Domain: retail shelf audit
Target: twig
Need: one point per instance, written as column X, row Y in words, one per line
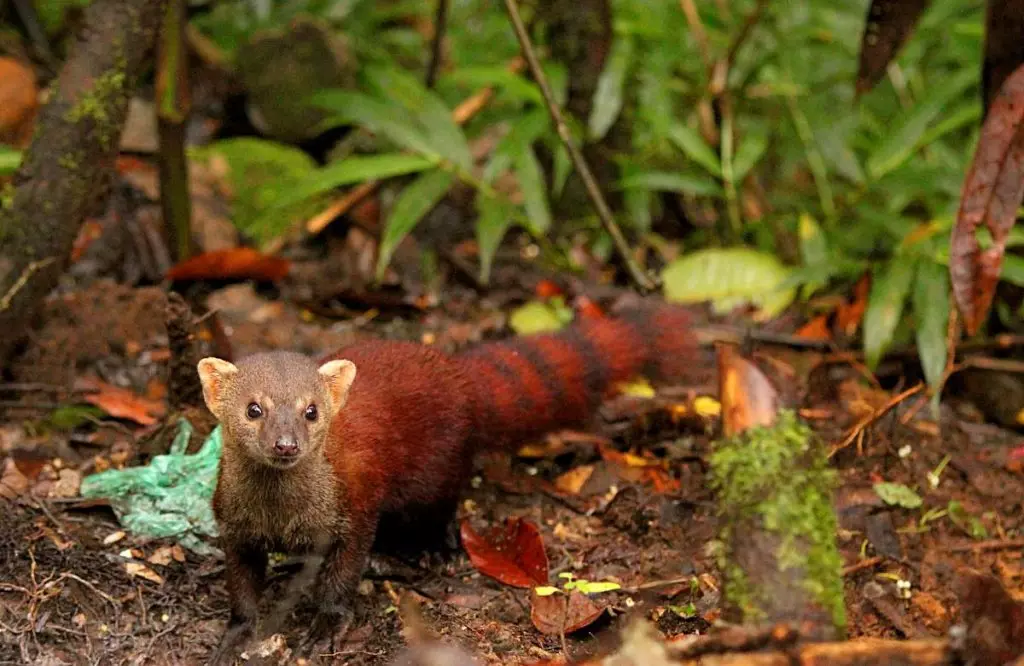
column 644, row 281
column 993, row 544
column 697, row 28
column 866, row 563
column 741, row 36
column 867, row 421
column 987, row 363
column 22, row 280
column 440, row 27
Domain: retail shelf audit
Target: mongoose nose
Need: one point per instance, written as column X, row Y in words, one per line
column 286, row 447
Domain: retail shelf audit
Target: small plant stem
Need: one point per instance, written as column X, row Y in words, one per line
column 436, row 52
column 643, row 281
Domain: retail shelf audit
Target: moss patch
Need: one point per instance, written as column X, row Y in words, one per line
column 778, row 478
column 95, row 105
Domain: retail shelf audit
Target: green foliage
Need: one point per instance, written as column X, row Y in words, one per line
column 540, row 316
column 10, row 159
column 898, row 494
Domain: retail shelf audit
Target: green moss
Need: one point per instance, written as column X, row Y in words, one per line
column 95, row 105
column 780, row 478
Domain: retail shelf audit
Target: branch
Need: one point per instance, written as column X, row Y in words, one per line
column 643, row 281
column 71, row 157
column 440, row 27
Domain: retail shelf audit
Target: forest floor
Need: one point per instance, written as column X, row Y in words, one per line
column 67, row 597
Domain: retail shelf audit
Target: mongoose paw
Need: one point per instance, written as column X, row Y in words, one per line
column 234, row 638
column 326, row 637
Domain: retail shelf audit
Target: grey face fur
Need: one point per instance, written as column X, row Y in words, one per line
column 276, row 407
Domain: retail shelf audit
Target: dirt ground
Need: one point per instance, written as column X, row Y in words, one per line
column 66, row 596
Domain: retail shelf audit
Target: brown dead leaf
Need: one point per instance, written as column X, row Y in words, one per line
column 162, row 556
column 849, row 315
column 140, row 570
column 572, row 481
column 19, row 100
column 119, row 402
column 559, row 613
column 748, row 398
column 992, row 193
column 68, row 483
column 13, row 483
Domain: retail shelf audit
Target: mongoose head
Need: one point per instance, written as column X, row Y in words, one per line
column 275, row 407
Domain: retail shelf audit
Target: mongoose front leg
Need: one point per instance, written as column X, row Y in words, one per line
column 245, row 571
column 340, row 574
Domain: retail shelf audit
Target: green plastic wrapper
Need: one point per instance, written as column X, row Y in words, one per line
column 169, row 497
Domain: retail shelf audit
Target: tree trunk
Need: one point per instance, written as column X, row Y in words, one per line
column 71, row 158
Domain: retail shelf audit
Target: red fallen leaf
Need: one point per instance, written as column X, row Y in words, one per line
column 512, row 554
column 588, row 309
column 558, row 613
column 815, row 329
column 991, row 194
column 889, row 24
column 849, row 315
column 120, row 403
column 547, row 289
column 748, row 398
column 240, row 263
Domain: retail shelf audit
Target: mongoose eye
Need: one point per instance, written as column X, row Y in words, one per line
column 253, row 411
column 311, row 413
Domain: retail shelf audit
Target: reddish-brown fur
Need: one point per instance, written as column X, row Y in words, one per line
column 402, row 447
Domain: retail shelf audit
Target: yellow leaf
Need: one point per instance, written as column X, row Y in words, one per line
column 638, row 388
column 545, row 591
column 587, row 587
column 707, row 406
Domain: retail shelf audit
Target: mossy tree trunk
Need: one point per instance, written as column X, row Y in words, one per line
column 68, row 165
column 779, row 561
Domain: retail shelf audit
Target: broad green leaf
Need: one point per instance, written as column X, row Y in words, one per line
column 889, row 291
column 664, row 181
column 562, row 168
column 513, row 84
column 388, row 119
column 899, row 145
column 415, row 201
column 531, row 182
column 527, row 129
column 965, row 521
column 962, row 117
column 690, row 142
column 897, row 494
column 609, row 93
column 10, row 159
column 931, row 314
column 729, row 278
column 354, row 170
column 638, row 204
column 440, row 129
column 586, row 587
column 493, row 220
column 1013, row 270
column 751, row 149
column 540, row 317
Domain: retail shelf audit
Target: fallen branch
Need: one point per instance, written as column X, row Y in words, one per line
column 71, row 157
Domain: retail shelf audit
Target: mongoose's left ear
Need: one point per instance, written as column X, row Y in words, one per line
column 338, row 375
column 216, row 375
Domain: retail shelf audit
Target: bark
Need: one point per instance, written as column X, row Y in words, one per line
column 71, row 158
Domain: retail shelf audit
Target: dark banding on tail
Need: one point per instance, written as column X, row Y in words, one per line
column 530, row 385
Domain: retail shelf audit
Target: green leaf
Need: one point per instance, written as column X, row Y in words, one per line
column 351, row 170
column 511, row 83
column 539, row 316
column 434, row 116
column 493, row 221
column 888, row 296
column 388, row 119
column 545, row 591
column 931, row 312
column 729, row 278
column 586, row 587
column 531, row 182
column 665, row 181
column 562, row 168
column 813, row 244
column 900, row 144
column 750, row 151
column 526, row 129
column 10, row 159
column 1013, row 270
column 691, row 143
column 609, row 93
column 415, row 201
column 965, row 521
column 897, row 494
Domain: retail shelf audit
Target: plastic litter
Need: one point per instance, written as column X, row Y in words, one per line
column 169, row 497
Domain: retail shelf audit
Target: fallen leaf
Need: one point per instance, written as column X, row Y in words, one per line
column 241, row 263
column 113, row 538
column 546, row 289
column 119, row 402
column 12, row 482
column 558, row 613
column 815, row 329
column 588, row 309
column 512, row 553
column 140, row 570
column 748, row 398
column 572, row 481
column 162, row 556
column 68, row 483
column 638, row 388
column 849, row 315
column 992, row 193
column 707, row 406
column 19, row 100
column 178, row 553
column 898, row 494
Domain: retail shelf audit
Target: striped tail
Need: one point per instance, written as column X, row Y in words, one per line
column 531, row 385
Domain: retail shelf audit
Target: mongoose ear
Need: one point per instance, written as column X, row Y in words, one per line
column 338, row 375
column 215, row 374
